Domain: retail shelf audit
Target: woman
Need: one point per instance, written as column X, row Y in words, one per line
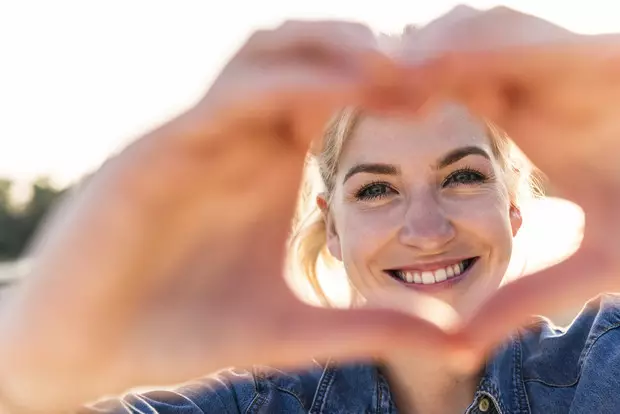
column 168, row 264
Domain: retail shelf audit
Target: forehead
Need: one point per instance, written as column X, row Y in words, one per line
column 423, row 140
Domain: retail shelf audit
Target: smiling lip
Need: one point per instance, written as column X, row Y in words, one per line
column 436, row 286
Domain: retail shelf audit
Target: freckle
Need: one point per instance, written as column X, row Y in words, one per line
column 514, row 95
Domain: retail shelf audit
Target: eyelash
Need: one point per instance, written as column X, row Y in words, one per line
column 479, row 177
column 359, row 194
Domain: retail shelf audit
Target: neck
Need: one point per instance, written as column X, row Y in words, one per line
column 421, row 385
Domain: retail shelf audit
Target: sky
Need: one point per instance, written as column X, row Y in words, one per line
column 79, row 79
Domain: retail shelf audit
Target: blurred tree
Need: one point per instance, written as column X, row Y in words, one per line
column 8, row 227
column 5, row 192
column 18, row 224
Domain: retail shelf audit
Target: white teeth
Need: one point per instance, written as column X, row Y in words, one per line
column 427, row 278
column 440, row 275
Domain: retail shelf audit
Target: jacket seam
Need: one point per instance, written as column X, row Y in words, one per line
column 291, row 393
column 580, row 363
column 593, row 342
column 325, row 382
column 379, row 394
column 258, row 400
column 518, row 364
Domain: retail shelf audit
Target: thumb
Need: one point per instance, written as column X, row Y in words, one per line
column 378, row 328
column 564, row 286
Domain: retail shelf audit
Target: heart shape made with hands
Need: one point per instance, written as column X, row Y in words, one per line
column 182, row 234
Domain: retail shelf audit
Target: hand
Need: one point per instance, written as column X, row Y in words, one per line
column 168, row 264
column 556, row 94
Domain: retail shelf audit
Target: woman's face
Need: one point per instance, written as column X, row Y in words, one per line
column 422, row 205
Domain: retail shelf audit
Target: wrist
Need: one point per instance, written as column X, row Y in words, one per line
column 10, row 403
column 26, row 384
column 18, row 399
column 9, row 407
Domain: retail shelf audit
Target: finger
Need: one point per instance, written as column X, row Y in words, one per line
column 348, row 48
column 349, row 335
column 415, row 304
column 333, row 40
column 557, row 289
column 572, row 58
column 291, row 335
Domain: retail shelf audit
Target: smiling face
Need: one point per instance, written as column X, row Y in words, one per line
column 422, row 204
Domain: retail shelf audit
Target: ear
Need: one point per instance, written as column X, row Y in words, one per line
column 515, row 219
column 331, row 235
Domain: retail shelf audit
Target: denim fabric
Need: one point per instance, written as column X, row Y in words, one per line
column 541, row 369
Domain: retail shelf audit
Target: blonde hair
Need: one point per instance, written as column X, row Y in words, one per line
column 309, row 236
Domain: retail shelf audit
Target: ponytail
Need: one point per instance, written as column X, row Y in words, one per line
column 308, row 244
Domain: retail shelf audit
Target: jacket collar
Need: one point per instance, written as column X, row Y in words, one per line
column 362, row 387
column 356, row 387
column 502, row 381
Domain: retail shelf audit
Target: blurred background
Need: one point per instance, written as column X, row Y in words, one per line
column 80, row 79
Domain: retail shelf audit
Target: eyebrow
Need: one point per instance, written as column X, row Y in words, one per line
column 376, row 168
column 459, row 153
column 389, row 169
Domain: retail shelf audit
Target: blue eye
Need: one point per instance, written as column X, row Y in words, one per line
column 374, row 191
column 465, row 176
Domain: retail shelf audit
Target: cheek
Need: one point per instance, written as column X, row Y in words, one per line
column 484, row 214
column 364, row 234
column 362, row 241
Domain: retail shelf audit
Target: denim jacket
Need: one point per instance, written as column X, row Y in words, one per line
column 541, row 369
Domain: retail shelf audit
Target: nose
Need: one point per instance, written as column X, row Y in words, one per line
column 425, row 225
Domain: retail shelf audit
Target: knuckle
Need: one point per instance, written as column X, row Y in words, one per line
column 292, row 24
column 503, row 10
column 326, row 29
column 299, row 28
column 258, row 37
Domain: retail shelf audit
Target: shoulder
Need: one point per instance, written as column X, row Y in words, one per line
column 579, row 362
column 545, row 346
column 571, row 345
column 229, row 391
